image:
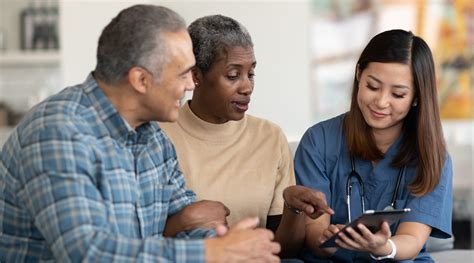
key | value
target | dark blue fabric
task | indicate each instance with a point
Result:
(322, 162)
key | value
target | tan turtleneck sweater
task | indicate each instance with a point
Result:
(245, 164)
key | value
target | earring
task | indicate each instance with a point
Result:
(415, 104)
(196, 84)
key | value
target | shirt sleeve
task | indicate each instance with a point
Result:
(285, 175)
(435, 208)
(182, 196)
(310, 167)
(59, 191)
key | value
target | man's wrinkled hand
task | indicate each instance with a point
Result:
(243, 242)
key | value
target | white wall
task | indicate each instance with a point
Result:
(280, 34)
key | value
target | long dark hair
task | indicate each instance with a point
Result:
(422, 142)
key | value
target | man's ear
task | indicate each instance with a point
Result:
(139, 79)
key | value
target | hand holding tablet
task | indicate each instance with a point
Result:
(372, 220)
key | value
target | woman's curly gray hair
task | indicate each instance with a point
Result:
(215, 35)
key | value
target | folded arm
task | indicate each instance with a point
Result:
(62, 190)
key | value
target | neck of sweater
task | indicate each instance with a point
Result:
(207, 131)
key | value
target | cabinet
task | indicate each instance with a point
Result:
(29, 24)
(27, 76)
(17, 58)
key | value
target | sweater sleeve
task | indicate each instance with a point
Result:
(285, 175)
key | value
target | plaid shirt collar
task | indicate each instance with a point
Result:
(116, 125)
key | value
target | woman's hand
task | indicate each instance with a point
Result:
(365, 240)
(200, 214)
(328, 233)
(311, 202)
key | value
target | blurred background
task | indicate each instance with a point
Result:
(306, 52)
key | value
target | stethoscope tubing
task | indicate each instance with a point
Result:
(355, 174)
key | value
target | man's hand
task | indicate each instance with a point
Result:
(243, 243)
(310, 201)
(201, 214)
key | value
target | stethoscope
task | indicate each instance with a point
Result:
(355, 174)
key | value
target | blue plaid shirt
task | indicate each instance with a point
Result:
(78, 183)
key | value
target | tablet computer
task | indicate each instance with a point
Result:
(372, 220)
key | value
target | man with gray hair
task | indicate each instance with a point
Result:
(88, 175)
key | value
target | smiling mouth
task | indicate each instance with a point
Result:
(378, 114)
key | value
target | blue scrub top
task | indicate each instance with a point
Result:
(322, 162)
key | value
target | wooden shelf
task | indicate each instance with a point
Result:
(29, 58)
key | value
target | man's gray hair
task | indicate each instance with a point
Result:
(216, 34)
(135, 37)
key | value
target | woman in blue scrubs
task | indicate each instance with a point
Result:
(391, 136)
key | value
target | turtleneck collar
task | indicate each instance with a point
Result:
(207, 131)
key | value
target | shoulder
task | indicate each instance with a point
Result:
(447, 172)
(327, 130)
(263, 125)
(266, 131)
(171, 135)
(61, 115)
(169, 127)
(165, 146)
(448, 163)
(446, 177)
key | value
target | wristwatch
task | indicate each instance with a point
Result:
(389, 256)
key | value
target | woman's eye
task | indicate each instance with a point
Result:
(251, 76)
(232, 77)
(398, 96)
(371, 87)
